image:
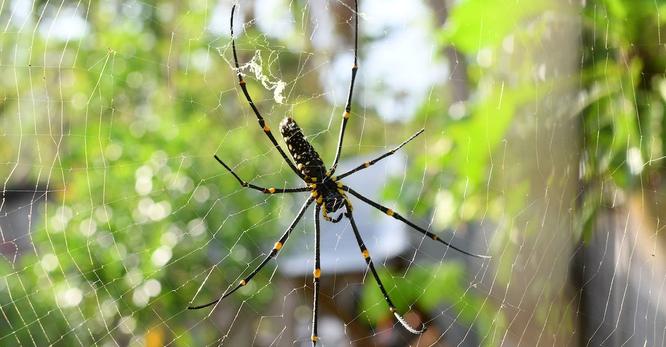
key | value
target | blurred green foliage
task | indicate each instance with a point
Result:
(121, 125)
(440, 290)
(623, 106)
(619, 109)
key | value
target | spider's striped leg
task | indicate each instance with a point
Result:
(347, 113)
(368, 164)
(395, 215)
(262, 123)
(368, 261)
(316, 273)
(271, 190)
(271, 255)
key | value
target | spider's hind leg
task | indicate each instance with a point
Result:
(260, 119)
(346, 114)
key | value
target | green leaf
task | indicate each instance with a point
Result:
(476, 24)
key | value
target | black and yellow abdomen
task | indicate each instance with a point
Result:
(306, 158)
(326, 191)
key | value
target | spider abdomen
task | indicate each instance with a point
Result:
(306, 158)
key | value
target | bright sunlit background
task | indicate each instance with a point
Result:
(543, 148)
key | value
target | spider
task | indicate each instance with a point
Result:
(326, 190)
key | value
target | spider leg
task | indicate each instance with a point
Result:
(395, 215)
(347, 113)
(271, 190)
(368, 164)
(316, 273)
(271, 255)
(368, 261)
(262, 123)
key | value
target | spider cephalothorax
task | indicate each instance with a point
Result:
(326, 190)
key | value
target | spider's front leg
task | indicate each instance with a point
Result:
(397, 216)
(371, 266)
(316, 274)
(276, 248)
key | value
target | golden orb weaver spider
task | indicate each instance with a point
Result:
(326, 189)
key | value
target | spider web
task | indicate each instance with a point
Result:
(115, 217)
